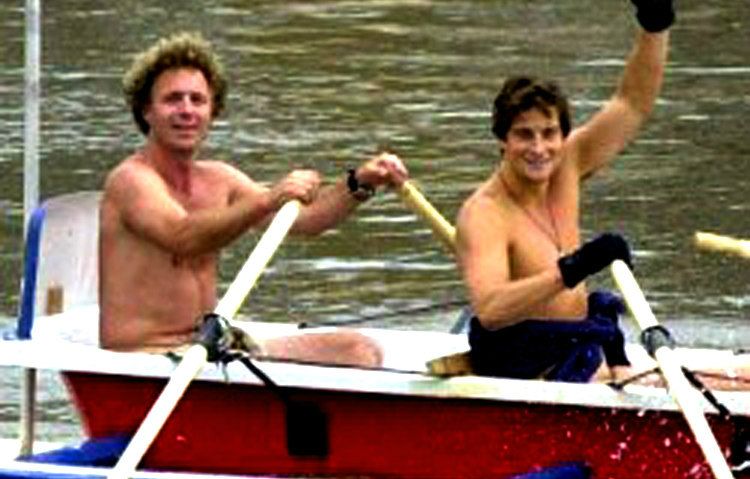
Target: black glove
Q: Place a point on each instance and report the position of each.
(592, 257)
(654, 15)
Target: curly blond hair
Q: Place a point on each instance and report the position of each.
(182, 50)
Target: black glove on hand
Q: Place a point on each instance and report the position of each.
(592, 257)
(654, 15)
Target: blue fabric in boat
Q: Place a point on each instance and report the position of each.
(564, 471)
(102, 452)
(553, 350)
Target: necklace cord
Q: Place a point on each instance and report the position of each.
(552, 233)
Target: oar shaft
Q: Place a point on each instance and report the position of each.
(690, 401)
(685, 395)
(191, 364)
(196, 356)
(441, 228)
(725, 244)
(253, 267)
(633, 295)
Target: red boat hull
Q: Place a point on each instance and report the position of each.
(241, 428)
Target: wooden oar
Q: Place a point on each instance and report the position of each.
(687, 397)
(196, 356)
(441, 228)
(722, 244)
(458, 363)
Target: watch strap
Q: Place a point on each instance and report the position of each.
(359, 191)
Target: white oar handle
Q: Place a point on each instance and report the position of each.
(196, 356)
(725, 244)
(441, 228)
(687, 397)
(264, 250)
(633, 295)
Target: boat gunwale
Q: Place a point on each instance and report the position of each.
(88, 359)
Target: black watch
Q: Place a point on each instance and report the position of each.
(359, 191)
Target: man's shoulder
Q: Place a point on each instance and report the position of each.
(128, 170)
(220, 173)
(485, 196)
(481, 206)
(216, 167)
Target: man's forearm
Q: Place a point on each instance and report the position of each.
(644, 71)
(332, 205)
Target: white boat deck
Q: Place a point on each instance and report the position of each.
(10, 448)
(68, 342)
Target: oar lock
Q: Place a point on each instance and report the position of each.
(223, 342)
(306, 422)
(655, 337)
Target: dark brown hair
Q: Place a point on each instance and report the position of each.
(523, 93)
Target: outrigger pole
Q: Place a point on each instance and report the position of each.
(30, 189)
(31, 115)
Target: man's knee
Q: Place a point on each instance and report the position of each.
(360, 350)
(349, 348)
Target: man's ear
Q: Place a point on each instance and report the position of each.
(501, 147)
(146, 112)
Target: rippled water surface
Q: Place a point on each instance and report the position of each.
(325, 84)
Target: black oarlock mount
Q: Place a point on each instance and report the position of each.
(212, 334)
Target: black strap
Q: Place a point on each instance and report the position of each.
(692, 379)
(306, 422)
(264, 378)
(697, 384)
(214, 333)
(359, 191)
(620, 385)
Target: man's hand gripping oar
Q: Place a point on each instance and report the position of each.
(198, 354)
(660, 346)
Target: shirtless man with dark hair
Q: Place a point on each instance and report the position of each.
(518, 235)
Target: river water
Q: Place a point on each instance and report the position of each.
(325, 84)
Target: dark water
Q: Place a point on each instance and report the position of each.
(325, 84)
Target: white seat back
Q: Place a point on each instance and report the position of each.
(68, 251)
